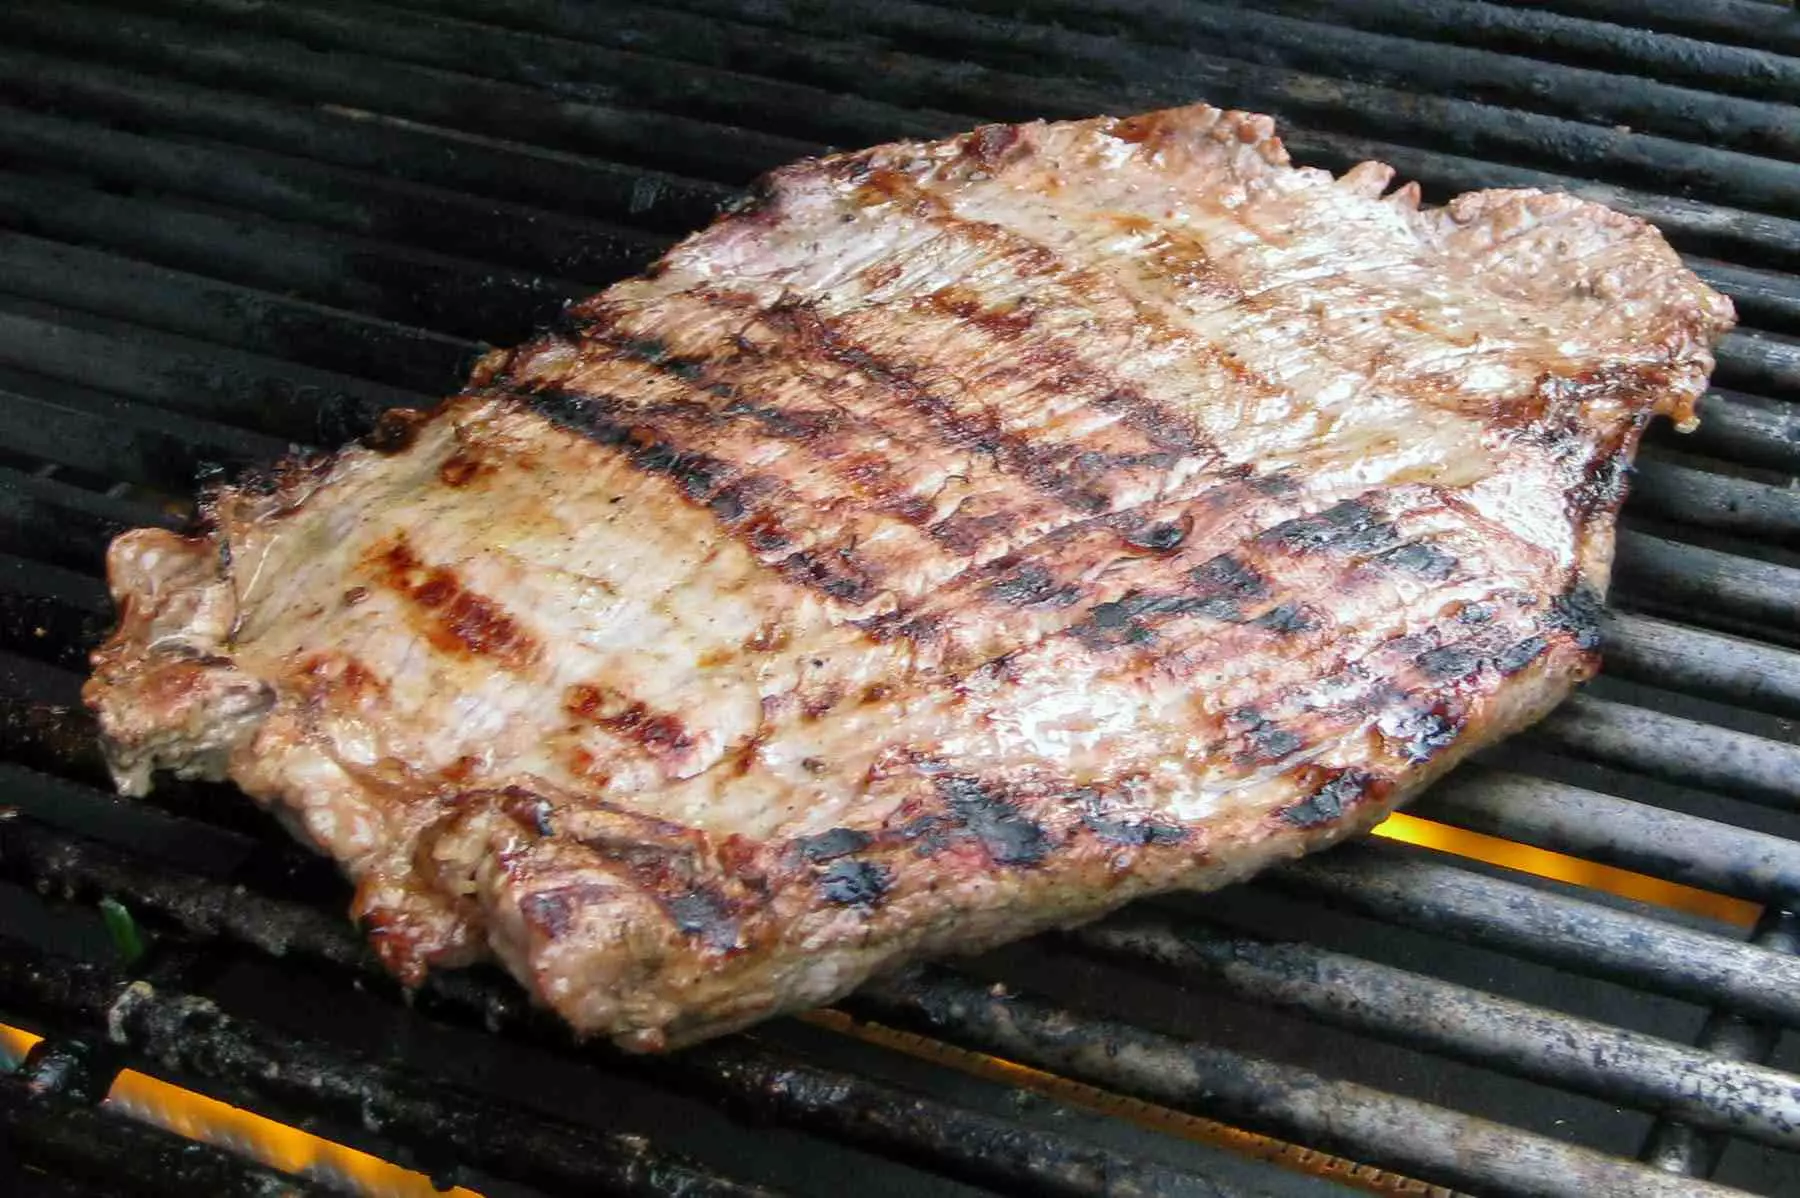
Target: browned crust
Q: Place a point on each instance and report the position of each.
(1057, 556)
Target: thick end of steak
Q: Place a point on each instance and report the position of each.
(958, 539)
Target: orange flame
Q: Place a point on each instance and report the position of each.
(1477, 846)
(291, 1150)
(197, 1117)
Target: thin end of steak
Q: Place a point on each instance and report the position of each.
(958, 539)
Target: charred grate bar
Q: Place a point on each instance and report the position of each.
(225, 229)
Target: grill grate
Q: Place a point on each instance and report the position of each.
(227, 228)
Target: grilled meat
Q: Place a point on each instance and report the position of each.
(957, 540)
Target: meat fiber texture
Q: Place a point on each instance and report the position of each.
(958, 539)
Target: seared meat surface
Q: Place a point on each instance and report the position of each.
(957, 540)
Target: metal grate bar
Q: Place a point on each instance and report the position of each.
(365, 141)
(1472, 1023)
(906, 1126)
(1166, 71)
(56, 1132)
(283, 400)
(1462, 1023)
(1475, 73)
(349, 80)
(1707, 586)
(1638, 836)
(1686, 752)
(1690, 1151)
(1414, 1138)
(359, 203)
(1720, 502)
(1708, 664)
(191, 1036)
(124, 440)
(1730, 21)
(86, 522)
(415, 287)
(1718, 66)
(201, 194)
(1409, 889)
(91, 280)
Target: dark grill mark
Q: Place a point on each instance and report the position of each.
(1420, 735)
(1474, 613)
(1009, 837)
(710, 482)
(1348, 527)
(832, 844)
(1516, 657)
(1132, 834)
(1269, 743)
(698, 475)
(553, 911)
(1421, 558)
(1578, 614)
(659, 733)
(1286, 619)
(1051, 469)
(1157, 538)
(1448, 662)
(1031, 585)
(1227, 575)
(1330, 801)
(854, 883)
(455, 619)
(1604, 485)
(1265, 740)
(1219, 588)
(833, 571)
(706, 916)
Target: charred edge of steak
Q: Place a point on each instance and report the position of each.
(1334, 798)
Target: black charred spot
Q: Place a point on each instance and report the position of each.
(394, 431)
(835, 578)
(1420, 735)
(1031, 585)
(1516, 657)
(854, 883)
(1348, 527)
(1266, 741)
(1474, 613)
(1132, 833)
(1269, 743)
(1111, 615)
(1578, 614)
(1227, 575)
(1329, 802)
(929, 834)
(1165, 537)
(698, 475)
(1286, 619)
(727, 506)
(1603, 488)
(1009, 837)
(1421, 558)
(705, 916)
(1121, 621)
(832, 844)
(1450, 661)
